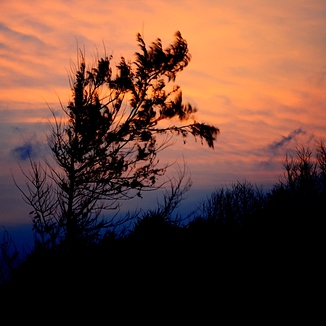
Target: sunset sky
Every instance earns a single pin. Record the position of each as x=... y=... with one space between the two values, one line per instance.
x=258 y=73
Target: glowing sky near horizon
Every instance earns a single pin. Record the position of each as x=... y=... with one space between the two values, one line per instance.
x=258 y=73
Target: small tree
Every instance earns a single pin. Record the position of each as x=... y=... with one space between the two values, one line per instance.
x=303 y=180
x=301 y=174
x=106 y=149
x=298 y=199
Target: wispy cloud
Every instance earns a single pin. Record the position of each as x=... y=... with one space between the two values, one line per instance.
x=24 y=152
x=270 y=157
x=21 y=37
x=23 y=141
x=286 y=139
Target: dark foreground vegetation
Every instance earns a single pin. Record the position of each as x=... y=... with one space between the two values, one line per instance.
x=241 y=243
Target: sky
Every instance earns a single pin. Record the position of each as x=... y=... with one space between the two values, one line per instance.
x=258 y=73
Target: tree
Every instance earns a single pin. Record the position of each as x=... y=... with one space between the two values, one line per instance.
x=302 y=180
x=106 y=148
x=298 y=199
x=301 y=172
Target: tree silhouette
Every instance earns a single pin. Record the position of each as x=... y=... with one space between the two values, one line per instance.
x=295 y=209
x=105 y=149
x=302 y=187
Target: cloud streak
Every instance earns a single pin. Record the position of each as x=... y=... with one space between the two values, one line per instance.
x=18 y=36
x=286 y=140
